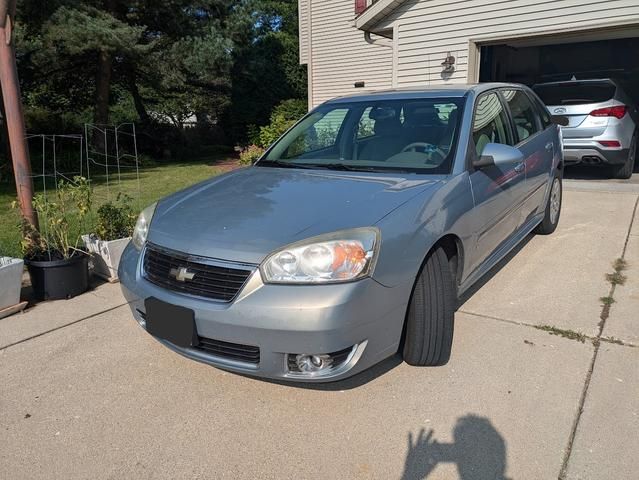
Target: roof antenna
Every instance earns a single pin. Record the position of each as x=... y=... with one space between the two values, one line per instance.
x=573 y=78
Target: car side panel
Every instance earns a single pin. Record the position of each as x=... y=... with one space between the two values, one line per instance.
x=498 y=193
x=539 y=153
x=409 y=234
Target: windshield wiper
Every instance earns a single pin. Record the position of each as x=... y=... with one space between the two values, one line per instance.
x=281 y=164
x=357 y=168
x=329 y=166
x=341 y=166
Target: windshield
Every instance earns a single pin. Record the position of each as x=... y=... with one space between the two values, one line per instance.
x=399 y=135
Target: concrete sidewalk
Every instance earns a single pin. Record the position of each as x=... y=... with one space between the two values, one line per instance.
x=87 y=394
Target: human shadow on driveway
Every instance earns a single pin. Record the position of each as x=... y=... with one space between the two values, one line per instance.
x=478 y=450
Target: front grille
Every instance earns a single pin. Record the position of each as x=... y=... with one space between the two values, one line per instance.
x=232 y=351
x=338 y=359
x=209 y=280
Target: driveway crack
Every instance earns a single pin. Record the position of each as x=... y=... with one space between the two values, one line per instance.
x=605 y=311
x=93 y=315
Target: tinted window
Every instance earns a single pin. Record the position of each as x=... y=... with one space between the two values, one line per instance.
x=366 y=126
x=543 y=112
x=523 y=113
x=575 y=93
x=490 y=124
x=415 y=135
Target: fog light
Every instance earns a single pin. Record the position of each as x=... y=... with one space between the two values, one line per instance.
x=313 y=363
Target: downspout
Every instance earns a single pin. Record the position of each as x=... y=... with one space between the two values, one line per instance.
x=369 y=40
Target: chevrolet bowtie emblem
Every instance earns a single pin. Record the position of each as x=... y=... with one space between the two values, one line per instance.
x=182 y=274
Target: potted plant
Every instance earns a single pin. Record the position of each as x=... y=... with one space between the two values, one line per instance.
x=57 y=267
x=112 y=233
x=10 y=285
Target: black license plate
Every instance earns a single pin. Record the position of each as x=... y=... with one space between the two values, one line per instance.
x=171 y=322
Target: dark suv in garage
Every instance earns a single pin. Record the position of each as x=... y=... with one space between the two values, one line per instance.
x=602 y=122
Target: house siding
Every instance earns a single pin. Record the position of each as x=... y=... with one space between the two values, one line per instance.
x=425 y=31
x=338 y=55
x=304 y=30
x=428 y=29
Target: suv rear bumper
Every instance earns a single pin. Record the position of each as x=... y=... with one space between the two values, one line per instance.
x=591 y=154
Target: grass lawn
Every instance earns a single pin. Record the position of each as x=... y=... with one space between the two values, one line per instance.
x=156 y=181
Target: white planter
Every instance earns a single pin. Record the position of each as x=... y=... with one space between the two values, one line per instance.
x=106 y=255
x=10 y=281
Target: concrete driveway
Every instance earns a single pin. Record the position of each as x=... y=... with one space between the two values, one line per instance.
x=542 y=384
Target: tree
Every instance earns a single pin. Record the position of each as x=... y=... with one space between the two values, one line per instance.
x=152 y=60
x=266 y=70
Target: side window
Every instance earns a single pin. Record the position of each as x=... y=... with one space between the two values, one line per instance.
x=543 y=112
x=366 y=125
x=490 y=124
x=523 y=113
x=321 y=134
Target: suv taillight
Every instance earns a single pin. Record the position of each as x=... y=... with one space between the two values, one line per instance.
x=618 y=111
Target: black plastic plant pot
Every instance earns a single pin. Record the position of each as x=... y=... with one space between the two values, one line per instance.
x=59 y=279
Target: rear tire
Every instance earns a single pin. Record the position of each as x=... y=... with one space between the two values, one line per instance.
x=623 y=172
x=430 y=319
x=553 y=208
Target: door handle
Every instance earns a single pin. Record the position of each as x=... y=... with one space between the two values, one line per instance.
x=549 y=146
x=520 y=167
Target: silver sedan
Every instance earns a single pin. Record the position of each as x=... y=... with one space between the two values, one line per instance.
x=352 y=238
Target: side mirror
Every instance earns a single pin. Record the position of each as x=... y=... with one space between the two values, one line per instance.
x=560 y=120
x=499 y=155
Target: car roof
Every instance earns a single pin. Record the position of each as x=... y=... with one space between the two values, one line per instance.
x=427 y=91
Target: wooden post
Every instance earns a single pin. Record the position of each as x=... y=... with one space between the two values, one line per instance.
x=13 y=113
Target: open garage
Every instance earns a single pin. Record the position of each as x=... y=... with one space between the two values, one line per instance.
x=595 y=54
x=601 y=115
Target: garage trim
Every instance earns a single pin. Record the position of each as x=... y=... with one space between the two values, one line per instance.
x=602 y=31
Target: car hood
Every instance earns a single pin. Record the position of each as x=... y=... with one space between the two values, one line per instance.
x=246 y=214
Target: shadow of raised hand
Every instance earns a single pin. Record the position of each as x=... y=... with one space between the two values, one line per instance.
x=478 y=450
x=421 y=458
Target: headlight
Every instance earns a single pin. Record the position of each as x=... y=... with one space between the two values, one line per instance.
x=337 y=257
x=141 y=229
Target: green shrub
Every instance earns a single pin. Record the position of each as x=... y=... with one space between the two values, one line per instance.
x=250 y=154
x=282 y=118
x=116 y=219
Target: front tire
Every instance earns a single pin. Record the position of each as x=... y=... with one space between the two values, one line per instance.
x=430 y=319
x=553 y=208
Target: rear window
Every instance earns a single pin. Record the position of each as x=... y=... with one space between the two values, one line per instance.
x=575 y=93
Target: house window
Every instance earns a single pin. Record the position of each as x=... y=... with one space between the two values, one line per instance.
x=360 y=6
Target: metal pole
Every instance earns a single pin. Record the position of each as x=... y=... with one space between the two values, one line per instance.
x=13 y=111
x=117 y=156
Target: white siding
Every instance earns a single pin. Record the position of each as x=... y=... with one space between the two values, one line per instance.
x=425 y=31
x=303 y=11
x=339 y=56
x=428 y=29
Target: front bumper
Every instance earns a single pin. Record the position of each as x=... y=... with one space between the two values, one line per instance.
x=285 y=319
x=590 y=152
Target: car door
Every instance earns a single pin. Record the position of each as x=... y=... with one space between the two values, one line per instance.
x=497 y=191
x=537 y=145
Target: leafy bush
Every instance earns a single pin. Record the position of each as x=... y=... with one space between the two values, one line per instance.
x=250 y=154
x=57 y=213
x=116 y=219
x=282 y=118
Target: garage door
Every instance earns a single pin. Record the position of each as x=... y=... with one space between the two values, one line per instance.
x=537 y=60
